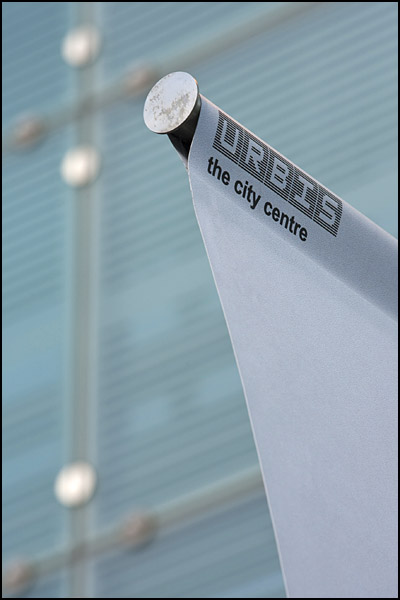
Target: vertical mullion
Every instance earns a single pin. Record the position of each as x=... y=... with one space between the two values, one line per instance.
x=84 y=316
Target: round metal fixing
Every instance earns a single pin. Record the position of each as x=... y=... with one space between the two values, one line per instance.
x=81 y=46
x=28 y=131
x=75 y=484
x=18 y=576
x=80 y=166
x=138 y=529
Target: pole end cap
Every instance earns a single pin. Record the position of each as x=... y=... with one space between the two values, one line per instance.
x=170 y=102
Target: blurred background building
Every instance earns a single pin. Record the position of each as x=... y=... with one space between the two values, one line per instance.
x=115 y=348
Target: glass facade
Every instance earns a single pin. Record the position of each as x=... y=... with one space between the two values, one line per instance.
x=115 y=348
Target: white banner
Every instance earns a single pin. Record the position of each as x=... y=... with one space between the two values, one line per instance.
x=308 y=288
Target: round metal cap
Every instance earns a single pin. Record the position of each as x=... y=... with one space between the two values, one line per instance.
x=170 y=102
x=75 y=484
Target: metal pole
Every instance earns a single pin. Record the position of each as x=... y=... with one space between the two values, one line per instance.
x=172 y=107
